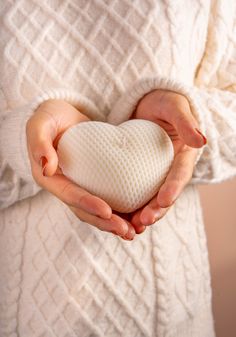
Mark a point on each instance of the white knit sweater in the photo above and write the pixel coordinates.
(60, 276)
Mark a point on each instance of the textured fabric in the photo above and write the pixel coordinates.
(57, 273)
(123, 165)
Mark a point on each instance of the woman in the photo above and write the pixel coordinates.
(67, 61)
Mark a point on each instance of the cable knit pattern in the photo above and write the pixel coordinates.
(58, 275)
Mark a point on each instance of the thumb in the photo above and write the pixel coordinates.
(49, 163)
(40, 144)
(188, 130)
(45, 155)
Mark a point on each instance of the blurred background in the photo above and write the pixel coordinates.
(219, 210)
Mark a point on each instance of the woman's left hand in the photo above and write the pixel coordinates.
(172, 112)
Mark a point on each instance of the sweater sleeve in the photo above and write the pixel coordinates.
(16, 180)
(212, 98)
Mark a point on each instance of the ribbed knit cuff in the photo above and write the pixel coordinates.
(127, 103)
(13, 145)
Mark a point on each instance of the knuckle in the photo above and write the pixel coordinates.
(181, 117)
(31, 126)
(67, 190)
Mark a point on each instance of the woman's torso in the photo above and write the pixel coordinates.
(63, 275)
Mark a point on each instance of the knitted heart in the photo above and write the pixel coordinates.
(124, 165)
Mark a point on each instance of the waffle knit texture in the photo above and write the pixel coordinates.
(58, 275)
(124, 165)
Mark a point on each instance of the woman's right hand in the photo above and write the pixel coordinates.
(43, 131)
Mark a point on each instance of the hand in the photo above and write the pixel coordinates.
(43, 131)
(172, 112)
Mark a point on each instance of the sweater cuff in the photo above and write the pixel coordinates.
(13, 144)
(127, 103)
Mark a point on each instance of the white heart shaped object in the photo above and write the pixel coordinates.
(124, 165)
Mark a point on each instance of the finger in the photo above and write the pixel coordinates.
(114, 225)
(139, 229)
(63, 188)
(127, 217)
(40, 134)
(179, 175)
(151, 213)
(73, 195)
(148, 215)
(135, 220)
(131, 231)
(176, 112)
(186, 125)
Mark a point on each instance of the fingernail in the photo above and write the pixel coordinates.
(203, 137)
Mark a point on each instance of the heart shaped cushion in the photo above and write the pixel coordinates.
(124, 165)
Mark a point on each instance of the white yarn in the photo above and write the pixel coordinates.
(124, 165)
(59, 276)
